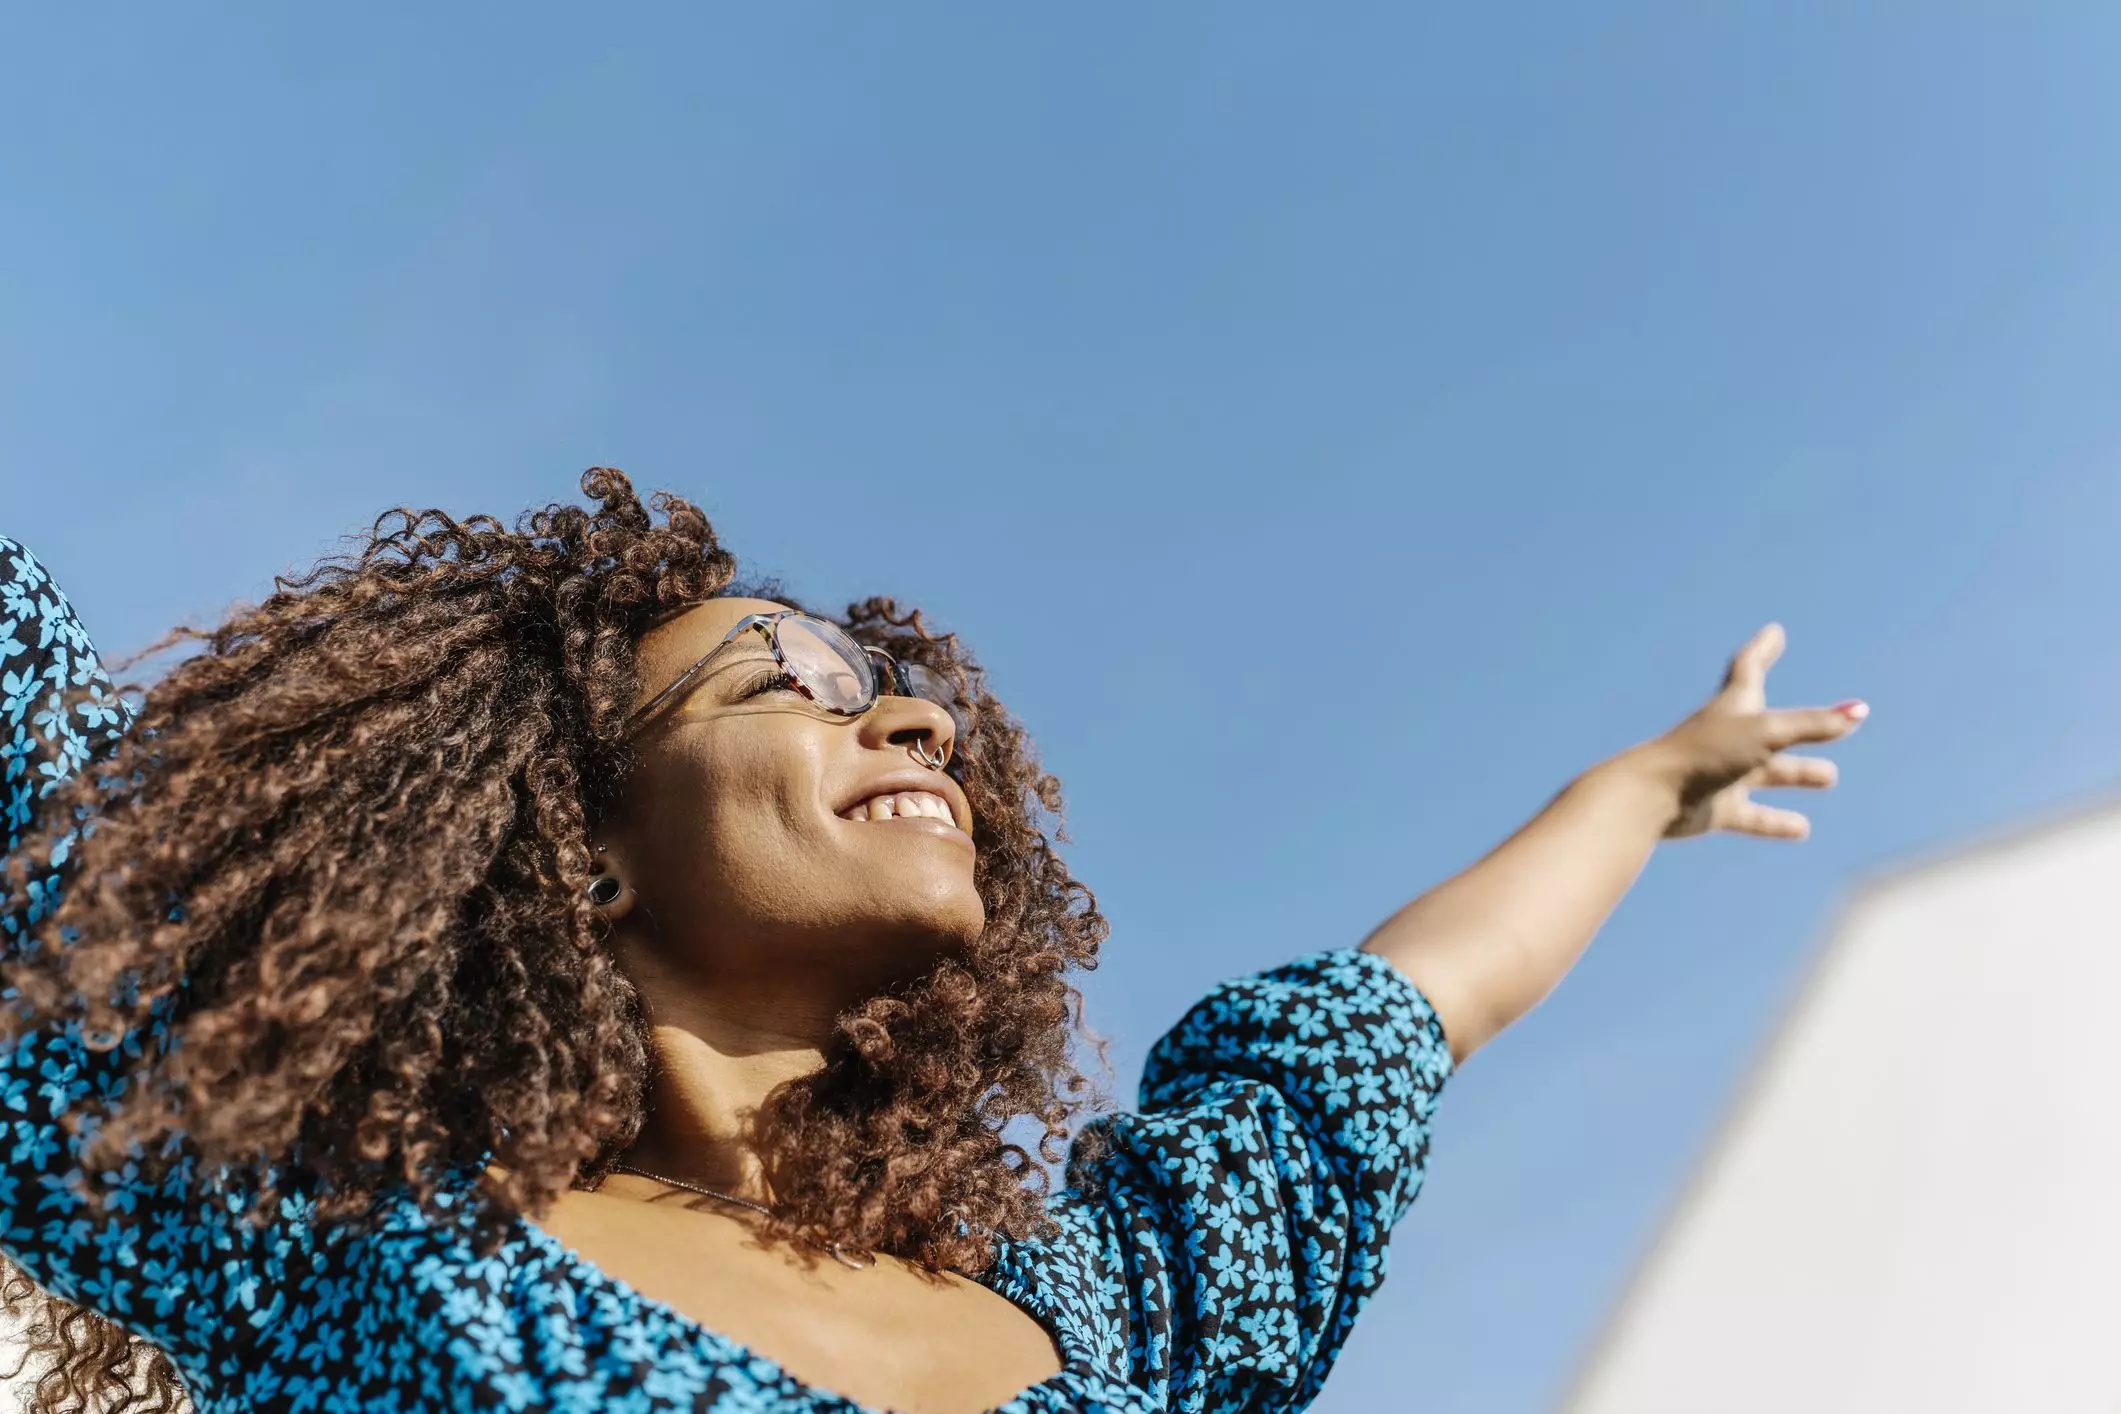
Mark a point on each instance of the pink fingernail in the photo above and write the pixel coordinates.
(1855, 709)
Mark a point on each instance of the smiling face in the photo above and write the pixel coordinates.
(760, 832)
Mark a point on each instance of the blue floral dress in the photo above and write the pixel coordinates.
(1212, 1260)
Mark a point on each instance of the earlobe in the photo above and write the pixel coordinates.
(608, 891)
(611, 897)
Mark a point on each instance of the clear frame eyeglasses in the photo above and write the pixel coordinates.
(823, 663)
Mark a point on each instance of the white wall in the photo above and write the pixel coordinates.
(1916, 1205)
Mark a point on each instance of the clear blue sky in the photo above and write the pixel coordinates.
(1156, 349)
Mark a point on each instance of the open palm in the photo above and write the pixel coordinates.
(1735, 745)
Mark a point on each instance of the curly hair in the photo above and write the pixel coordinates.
(346, 845)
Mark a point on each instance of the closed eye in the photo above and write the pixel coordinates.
(769, 682)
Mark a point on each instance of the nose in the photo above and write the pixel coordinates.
(907, 721)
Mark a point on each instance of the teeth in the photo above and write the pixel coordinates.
(919, 805)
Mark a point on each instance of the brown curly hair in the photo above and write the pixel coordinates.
(372, 798)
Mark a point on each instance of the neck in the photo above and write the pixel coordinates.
(721, 1045)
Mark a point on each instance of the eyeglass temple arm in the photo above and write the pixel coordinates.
(761, 622)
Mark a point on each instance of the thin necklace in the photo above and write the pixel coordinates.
(833, 1247)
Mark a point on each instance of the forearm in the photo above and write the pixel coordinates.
(1486, 946)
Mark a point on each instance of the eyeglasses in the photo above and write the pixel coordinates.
(827, 666)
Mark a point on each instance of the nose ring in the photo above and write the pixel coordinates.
(919, 751)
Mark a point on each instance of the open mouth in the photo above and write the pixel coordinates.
(903, 805)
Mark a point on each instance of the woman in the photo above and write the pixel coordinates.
(510, 968)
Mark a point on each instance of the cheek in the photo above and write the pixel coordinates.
(739, 832)
(742, 842)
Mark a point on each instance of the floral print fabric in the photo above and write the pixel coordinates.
(1210, 1258)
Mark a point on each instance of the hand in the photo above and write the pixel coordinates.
(1715, 759)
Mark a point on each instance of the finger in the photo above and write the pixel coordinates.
(1749, 817)
(1787, 772)
(1750, 664)
(1794, 726)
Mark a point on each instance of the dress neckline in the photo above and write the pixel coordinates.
(1075, 1364)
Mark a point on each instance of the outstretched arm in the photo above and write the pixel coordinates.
(1488, 945)
(1284, 1122)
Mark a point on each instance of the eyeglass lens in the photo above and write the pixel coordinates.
(843, 676)
(932, 685)
(838, 674)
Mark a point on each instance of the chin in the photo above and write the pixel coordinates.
(951, 934)
(929, 932)
(938, 901)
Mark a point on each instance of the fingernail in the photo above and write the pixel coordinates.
(1855, 709)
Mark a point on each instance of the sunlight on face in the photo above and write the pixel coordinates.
(761, 831)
